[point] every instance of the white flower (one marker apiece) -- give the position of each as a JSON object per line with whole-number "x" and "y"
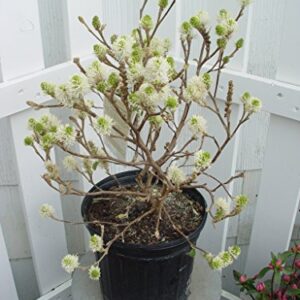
{"x": 78, "y": 86}
{"x": 222, "y": 206}
{"x": 104, "y": 124}
{"x": 241, "y": 201}
{"x": 159, "y": 47}
{"x": 47, "y": 211}
{"x": 94, "y": 272}
{"x": 226, "y": 258}
{"x": 96, "y": 73}
{"x": 135, "y": 72}
{"x": 202, "y": 159}
{"x": 147, "y": 96}
{"x": 96, "y": 243}
{"x": 197, "y": 125}
{"x": 217, "y": 263}
{"x": 204, "y": 17}
{"x": 70, "y": 263}
{"x": 122, "y": 46}
{"x": 70, "y": 163}
{"x": 157, "y": 70}
{"x": 51, "y": 169}
{"x": 196, "y": 90}
{"x": 66, "y": 135}
{"x": 254, "y": 105}
{"x": 226, "y": 25}
{"x": 50, "y": 122}
{"x": 176, "y": 175}
{"x": 63, "y": 95}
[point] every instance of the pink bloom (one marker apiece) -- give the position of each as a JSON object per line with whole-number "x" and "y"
{"x": 294, "y": 286}
{"x": 260, "y": 287}
{"x": 297, "y": 263}
{"x": 270, "y": 266}
{"x": 243, "y": 279}
{"x": 286, "y": 278}
{"x": 278, "y": 262}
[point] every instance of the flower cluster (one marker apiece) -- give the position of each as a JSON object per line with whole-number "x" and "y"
{"x": 70, "y": 263}
{"x": 251, "y": 104}
{"x": 202, "y": 160}
{"x": 47, "y": 211}
{"x": 96, "y": 243}
{"x": 176, "y": 175}
{"x": 198, "y": 125}
{"x": 284, "y": 268}
{"x": 224, "y": 258}
{"x": 196, "y": 90}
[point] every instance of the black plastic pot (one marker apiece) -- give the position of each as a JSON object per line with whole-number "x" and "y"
{"x": 139, "y": 272}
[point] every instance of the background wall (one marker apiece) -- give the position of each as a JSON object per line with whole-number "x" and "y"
{"x": 37, "y": 34}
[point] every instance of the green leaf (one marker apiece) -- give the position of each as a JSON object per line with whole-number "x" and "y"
{"x": 236, "y": 275}
{"x": 295, "y": 292}
{"x": 192, "y": 253}
{"x": 263, "y": 272}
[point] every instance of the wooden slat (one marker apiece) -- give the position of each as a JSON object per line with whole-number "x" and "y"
{"x": 81, "y": 42}
{"x": 288, "y": 57}
{"x": 47, "y": 238}
{"x": 54, "y": 31}
{"x": 278, "y": 195}
{"x": 21, "y": 47}
{"x": 7, "y": 284}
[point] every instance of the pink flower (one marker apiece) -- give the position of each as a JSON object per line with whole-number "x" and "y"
{"x": 243, "y": 279}
{"x": 297, "y": 263}
{"x": 278, "y": 262}
{"x": 270, "y": 266}
{"x": 260, "y": 287}
{"x": 286, "y": 278}
{"x": 294, "y": 286}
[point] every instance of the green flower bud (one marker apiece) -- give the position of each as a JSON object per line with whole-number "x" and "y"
{"x": 221, "y": 30}
{"x": 239, "y": 44}
{"x": 223, "y": 14}
{"x": 31, "y": 123}
{"x": 246, "y": 96}
{"x": 186, "y": 28}
{"x": 195, "y": 22}
{"x": 113, "y": 80}
{"x": 96, "y": 22}
{"x": 156, "y": 120}
{"x": 163, "y": 3}
{"x": 207, "y": 80}
{"x": 100, "y": 51}
{"x": 101, "y": 86}
{"x": 28, "y": 141}
{"x": 149, "y": 90}
{"x": 171, "y": 103}
{"x": 113, "y": 38}
{"x": 222, "y": 43}
{"x": 226, "y": 59}
{"x": 147, "y": 22}
{"x": 136, "y": 55}
{"x": 171, "y": 61}
{"x": 241, "y": 201}
{"x": 39, "y": 128}
{"x": 48, "y": 88}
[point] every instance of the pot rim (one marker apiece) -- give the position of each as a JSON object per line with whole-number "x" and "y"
{"x": 153, "y": 247}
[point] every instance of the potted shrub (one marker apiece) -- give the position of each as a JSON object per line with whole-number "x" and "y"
{"x": 279, "y": 280}
{"x": 144, "y": 222}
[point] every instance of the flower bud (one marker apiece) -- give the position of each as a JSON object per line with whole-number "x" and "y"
{"x": 96, "y": 22}
{"x": 260, "y": 287}
{"x": 147, "y": 22}
{"x": 297, "y": 263}
{"x": 163, "y": 3}
{"x": 239, "y": 44}
{"x": 243, "y": 279}
{"x": 286, "y": 278}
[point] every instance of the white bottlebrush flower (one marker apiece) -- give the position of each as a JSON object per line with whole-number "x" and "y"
{"x": 226, "y": 258}
{"x": 202, "y": 159}
{"x": 204, "y": 17}
{"x": 70, "y": 163}
{"x": 52, "y": 169}
{"x": 50, "y": 122}
{"x": 96, "y": 73}
{"x": 123, "y": 46}
{"x": 226, "y": 24}
{"x": 217, "y": 263}
{"x": 198, "y": 125}
{"x": 96, "y": 243}
{"x": 63, "y": 95}
{"x": 104, "y": 124}
{"x": 234, "y": 251}
{"x": 159, "y": 47}
{"x": 94, "y": 272}
{"x": 254, "y": 105}
{"x": 241, "y": 201}
{"x": 176, "y": 175}
{"x": 196, "y": 90}
{"x": 70, "y": 263}
{"x": 66, "y": 135}
{"x": 222, "y": 206}
{"x": 135, "y": 72}
{"x": 47, "y": 211}
{"x": 147, "y": 96}
{"x": 78, "y": 86}
{"x": 157, "y": 70}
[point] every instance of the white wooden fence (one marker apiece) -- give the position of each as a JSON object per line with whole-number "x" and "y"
{"x": 38, "y": 38}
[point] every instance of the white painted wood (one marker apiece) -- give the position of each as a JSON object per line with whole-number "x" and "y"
{"x": 265, "y": 37}
{"x": 288, "y": 63}
{"x": 21, "y": 46}
{"x": 54, "y": 31}
{"x": 47, "y": 238}
{"x": 7, "y": 285}
{"x": 62, "y": 292}
{"x": 278, "y": 198}
{"x": 81, "y": 42}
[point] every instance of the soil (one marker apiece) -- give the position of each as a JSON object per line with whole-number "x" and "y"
{"x": 185, "y": 213}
